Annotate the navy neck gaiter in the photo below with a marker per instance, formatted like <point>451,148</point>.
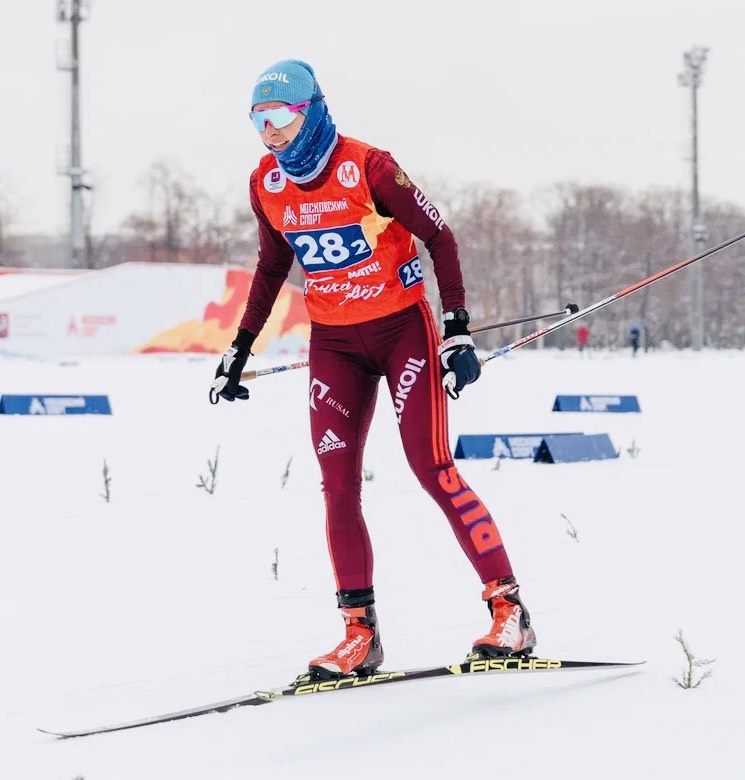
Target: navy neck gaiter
<point>308,154</point>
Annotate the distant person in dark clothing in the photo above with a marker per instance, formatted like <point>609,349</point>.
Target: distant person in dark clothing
<point>583,337</point>
<point>635,334</point>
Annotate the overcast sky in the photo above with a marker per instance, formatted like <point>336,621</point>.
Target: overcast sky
<point>519,94</point>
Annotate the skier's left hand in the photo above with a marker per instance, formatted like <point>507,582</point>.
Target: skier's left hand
<point>460,365</point>
<point>458,360</point>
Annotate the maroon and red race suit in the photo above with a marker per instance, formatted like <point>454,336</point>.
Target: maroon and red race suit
<point>352,231</point>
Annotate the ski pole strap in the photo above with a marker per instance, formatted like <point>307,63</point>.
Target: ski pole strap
<point>570,308</point>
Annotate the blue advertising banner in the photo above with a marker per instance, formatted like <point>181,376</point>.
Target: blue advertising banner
<point>571,449</point>
<point>54,404</point>
<point>501,445</point>
<point>596,403</point>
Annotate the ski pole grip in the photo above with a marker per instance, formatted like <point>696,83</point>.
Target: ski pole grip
<point>248,375</point>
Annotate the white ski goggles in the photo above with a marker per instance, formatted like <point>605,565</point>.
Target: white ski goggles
<point>279,117</point>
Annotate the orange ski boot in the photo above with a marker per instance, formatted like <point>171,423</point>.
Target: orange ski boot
<point>511,632</point>
<point>360,653</point>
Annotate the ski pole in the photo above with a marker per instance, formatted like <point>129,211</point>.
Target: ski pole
<point>521,342</point>
<point>571,308</point>
<point>247,376</point>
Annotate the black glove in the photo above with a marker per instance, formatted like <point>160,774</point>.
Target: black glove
<point>228,375</point>
<point>460,365</point>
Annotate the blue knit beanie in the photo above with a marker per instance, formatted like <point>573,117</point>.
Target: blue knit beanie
<point>290,81</point>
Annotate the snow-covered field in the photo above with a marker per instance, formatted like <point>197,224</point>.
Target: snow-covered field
<point>165,598</point>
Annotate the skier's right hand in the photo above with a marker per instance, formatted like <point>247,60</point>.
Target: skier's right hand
<point>226,383</point>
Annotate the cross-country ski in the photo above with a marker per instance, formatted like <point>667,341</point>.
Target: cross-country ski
<point>305,685</point>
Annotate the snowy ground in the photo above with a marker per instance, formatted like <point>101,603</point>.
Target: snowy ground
<point>164,598</point>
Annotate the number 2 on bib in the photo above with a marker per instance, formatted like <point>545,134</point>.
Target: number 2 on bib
<point>326,250</point>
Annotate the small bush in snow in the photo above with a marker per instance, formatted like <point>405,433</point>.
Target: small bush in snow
<point>209,484</point>
<point>633,450</point>
<point>275,564</point>
<point>367,475</point>
<point>106,495</point>
<point>286,475</point>
<point>571,531</point>
<point>688,675</point>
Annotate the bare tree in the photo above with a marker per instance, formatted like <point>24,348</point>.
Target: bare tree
<point>603,240</point>
<point>724,277</point>
<point>587,230</point>
<point>497,248</point>
<point>162,224</point>
<point>97,254</point>
<point>659,239</point>
<point>7,254</point>
<point>182,223</point>
<point>244,240</point>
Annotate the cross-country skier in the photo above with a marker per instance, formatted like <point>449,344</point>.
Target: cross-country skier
<point>349,214</point>
<point>635,334</point>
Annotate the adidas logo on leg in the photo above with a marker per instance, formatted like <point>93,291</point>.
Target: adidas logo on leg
<point>330,441</point>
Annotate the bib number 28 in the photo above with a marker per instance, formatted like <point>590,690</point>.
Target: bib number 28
<point>410,273</point>
<point>325,250</point>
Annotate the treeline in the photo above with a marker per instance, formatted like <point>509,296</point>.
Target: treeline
<point>520,256</point>
<point>180,223</point>
<point>176,222</point>
<point>580,244</point>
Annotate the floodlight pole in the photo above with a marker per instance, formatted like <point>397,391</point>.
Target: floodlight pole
<point>71,11</point>
<point>691,77</point>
